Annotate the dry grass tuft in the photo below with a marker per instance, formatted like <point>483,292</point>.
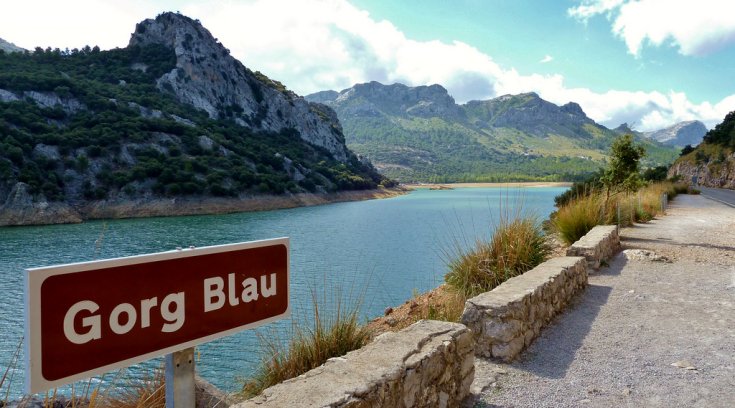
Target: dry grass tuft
<point>148,392</point>
<point>517,245</point>
<point>310,346</point>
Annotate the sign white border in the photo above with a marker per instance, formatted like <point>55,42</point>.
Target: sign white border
<point>34,278</point>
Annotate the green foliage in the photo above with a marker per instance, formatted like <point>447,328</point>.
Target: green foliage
<point>658,173</point>
<point>622,172</point>
<point>724,133</point>
<point>686,150</point>
<point>471,145</point>
<point>577,217</point>
<point>580,189</point>
<point>114,133</point>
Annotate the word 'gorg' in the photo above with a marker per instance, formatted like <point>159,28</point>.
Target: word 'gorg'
<point>172,308</point>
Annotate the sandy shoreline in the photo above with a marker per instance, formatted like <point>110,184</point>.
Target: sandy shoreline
<point>529,184</point>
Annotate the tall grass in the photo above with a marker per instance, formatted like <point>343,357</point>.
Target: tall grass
<point>331,335</point>
<point>573,220</point>
<point>516,245</point>
<point>579,215</point>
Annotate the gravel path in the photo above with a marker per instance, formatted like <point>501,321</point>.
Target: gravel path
<point>648,310</point>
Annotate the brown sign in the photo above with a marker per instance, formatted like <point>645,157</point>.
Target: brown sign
<point>88,318</point>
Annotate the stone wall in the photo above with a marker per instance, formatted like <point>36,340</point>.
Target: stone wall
<point>429,364</point>
<point>598,245</point>
<point>507,319</point>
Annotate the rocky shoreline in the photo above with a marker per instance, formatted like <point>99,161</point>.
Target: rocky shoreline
<point>19,209</point>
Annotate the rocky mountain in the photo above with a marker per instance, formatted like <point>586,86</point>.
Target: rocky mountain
<point>681,134</point>
<point>421,134</point>
<point>9,47</point>
<point>210,79</point>
<point>171,121</point>
<point>712,162</point>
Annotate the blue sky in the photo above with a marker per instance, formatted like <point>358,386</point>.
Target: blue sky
<point>650,63</point>
<point>520,33</point>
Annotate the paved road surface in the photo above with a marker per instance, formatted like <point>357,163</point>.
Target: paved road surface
<point>649,331</point>
<point>722,195</point>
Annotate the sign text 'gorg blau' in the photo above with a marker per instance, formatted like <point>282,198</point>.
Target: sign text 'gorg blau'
<point>88,318</point>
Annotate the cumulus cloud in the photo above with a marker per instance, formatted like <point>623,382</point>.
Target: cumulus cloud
<point>694,27</point>
<point>315,45</point>
<point>546,58</point>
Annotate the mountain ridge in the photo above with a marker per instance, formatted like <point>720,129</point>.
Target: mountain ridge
<point>421,134</point>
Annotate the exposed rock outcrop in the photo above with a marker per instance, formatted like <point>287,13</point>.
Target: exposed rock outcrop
<point>712,173</point>
<point>209,78</point>
<point>20,209</point>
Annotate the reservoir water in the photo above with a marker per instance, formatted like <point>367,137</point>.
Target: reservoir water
<point>378,253</point>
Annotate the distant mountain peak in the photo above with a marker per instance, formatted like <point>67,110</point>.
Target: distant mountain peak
<point>623,128</point>
<point>684,133</point>
<point>573,108</point>
<point>209,78</point>
<point>375,98</point>
<point>10,47</point>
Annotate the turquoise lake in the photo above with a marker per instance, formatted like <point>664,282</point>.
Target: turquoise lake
<point>378,253</point>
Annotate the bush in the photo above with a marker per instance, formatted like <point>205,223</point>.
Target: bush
<point>308,348</point>
<point>517,245</point>
<point>575,219</point>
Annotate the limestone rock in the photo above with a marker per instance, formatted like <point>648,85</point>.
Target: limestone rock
<point>20,208</point>
<point>428,364</point>
<point>209,78</point>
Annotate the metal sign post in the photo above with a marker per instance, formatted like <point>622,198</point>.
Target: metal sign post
<point>180,382</point>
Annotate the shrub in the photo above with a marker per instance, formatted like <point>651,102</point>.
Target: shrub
<point>578,217</point>
<point>309,347</point>
<point>517,245</point>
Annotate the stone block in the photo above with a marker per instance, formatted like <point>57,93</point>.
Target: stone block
<point>597,246</point>
<point>508,318</point>
<point>424,365</point>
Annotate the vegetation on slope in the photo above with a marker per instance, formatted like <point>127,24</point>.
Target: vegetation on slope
<point>90,124</point>
<point>717,144</point>
<point>420,134</point>
<point>619,194</point>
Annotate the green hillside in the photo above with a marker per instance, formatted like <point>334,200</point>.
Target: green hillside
<point>420,134</point>
<point>88,125</point>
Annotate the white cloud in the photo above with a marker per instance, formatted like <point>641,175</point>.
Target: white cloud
<point>72,23</point>
<point>694,27</point>
<point>314,45</point>
<point>546,58</point>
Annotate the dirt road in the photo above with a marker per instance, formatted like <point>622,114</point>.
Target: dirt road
<point>654,329</point>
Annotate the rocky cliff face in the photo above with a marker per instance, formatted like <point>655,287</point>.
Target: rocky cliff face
<point>711,173</point>
<point>209,78</point>
<point>712,162</point>
<point>680,134</point>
